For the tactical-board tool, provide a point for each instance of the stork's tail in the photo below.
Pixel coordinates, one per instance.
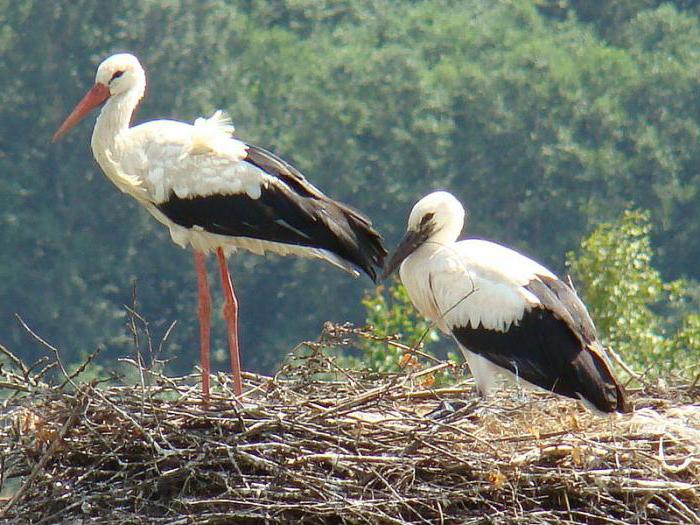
(367, 251)
(598, 384)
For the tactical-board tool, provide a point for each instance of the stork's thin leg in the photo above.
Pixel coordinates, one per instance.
(204, 319)
(231, 316)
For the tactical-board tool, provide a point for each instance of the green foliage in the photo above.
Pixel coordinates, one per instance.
(624, 292)
(390, 312)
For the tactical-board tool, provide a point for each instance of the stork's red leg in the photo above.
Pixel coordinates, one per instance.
(204, 319)
(231, 316)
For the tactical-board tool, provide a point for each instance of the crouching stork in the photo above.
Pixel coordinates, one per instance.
(507, 313)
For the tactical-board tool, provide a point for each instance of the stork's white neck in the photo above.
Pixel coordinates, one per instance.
(114, 119)
(447, 235)
(112, 124)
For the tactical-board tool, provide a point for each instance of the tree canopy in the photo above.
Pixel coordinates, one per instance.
(546, 118)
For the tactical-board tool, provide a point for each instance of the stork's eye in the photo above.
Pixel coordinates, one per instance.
(426, 218)
(116, 74)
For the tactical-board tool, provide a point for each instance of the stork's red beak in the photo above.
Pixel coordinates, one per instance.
(92, 99)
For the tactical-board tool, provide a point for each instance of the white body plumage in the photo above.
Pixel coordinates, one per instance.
(215, 192)
(472, 283)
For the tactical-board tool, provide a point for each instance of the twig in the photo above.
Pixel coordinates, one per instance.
(48, 345)
(15, 360)
(57, 441)
(81, 368)
(695, 382)
(616, 357)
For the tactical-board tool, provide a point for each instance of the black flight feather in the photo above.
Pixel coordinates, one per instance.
(553, 346)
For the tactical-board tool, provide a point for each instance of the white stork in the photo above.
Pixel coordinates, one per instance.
(216, 193)
(507, 313)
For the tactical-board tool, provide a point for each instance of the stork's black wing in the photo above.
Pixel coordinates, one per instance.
(289, 210)
(553, 346)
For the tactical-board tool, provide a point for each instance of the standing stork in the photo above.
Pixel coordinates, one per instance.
(216, 193)
(506, 312)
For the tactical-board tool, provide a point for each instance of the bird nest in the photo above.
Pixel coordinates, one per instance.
(317, 443)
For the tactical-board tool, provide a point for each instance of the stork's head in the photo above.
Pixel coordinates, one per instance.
(120, 73)
(438, 218)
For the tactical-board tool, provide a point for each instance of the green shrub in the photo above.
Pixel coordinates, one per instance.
(390, 312)
(637, 313)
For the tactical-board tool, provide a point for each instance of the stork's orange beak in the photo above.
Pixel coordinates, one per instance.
(92, 99)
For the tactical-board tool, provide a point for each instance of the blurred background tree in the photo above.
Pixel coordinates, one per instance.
(546, 118)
